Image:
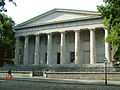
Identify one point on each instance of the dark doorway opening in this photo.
(45, 58)
(58, 58)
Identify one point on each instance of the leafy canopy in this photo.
(3, 3)
(111, 14)
(7, 39)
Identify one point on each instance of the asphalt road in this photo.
(31, 85)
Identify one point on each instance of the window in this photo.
(72, 57)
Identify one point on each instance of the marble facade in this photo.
(62, 36)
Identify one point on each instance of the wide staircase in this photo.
(72, 71)
(60, 68)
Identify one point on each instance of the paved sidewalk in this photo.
(65, 81)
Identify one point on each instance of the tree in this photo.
(2, 4)
(7, 36)
(111, 14)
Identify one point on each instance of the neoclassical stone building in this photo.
(62, 36)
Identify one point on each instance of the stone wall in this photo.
(83, 75)
(17, 73)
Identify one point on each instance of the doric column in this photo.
(63, 49)
(107, 47)
(49, 49)
(77, 47)
(37, 44)
(17, 51)
(92, 47)
(25, 62)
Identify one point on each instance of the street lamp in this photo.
(117, 66)
(117, 63)
(106, 71)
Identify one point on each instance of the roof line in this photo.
(75, 10)
(63, 21)
(57, 9)
(34, 18)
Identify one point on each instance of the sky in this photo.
(27, 9)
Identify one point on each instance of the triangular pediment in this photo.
(57, 15)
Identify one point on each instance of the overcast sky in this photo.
(27, 9)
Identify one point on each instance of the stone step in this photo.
(60, 68)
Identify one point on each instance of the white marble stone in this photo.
(17, 51)
(49, 48)
(26, 45)
(58, 40)
(107, 47)
(37, 45)
(77, 47)
(92, 47)
(63, 49)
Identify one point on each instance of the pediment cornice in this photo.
(92, 14)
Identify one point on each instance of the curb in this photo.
(63, 81)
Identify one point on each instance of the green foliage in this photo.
(7, 35)
(3, 3)
(111, 14)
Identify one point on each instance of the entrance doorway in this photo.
(58, 58)
(45, 58)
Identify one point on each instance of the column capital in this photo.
(105, 28)
(49, 33)
(37, 34)
(63, 32)
(77, 30)
(26, 36)
(92, 29)
(17, 36)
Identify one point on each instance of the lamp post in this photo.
(117, 65)
(106, 71)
